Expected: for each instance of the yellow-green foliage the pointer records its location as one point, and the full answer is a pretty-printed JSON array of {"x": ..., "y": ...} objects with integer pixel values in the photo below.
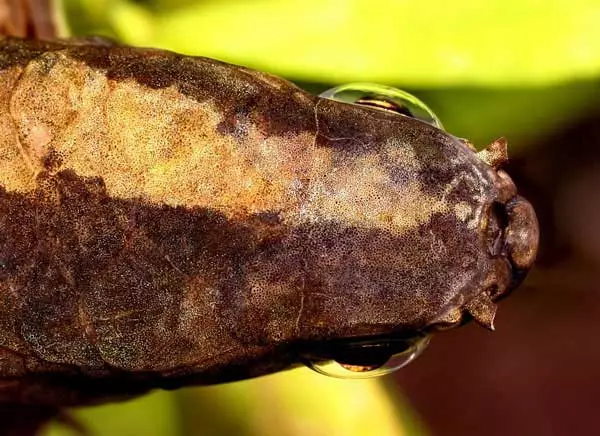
[
  {"x": 434, "y": 42},
  {"x": 293, "y": 403}
]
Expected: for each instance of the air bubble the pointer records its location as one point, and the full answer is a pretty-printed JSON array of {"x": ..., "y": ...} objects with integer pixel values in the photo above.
[
  {"x": 384, "y": 98},
  {"x": 367, "y": 359}
]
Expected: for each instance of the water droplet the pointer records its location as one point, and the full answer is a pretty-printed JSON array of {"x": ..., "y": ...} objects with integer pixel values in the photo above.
[
  {"x": 366, "y": 359},
  {"x": 385, "y": 98}
]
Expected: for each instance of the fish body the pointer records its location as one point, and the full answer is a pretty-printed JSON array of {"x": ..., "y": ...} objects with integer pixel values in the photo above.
[{"x": 168, "y": 220}]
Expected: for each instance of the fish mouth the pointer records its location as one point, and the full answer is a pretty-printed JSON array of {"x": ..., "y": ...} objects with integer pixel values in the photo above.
[
  {"x": 521, "y": 237},
  {"x": 513, "y": 231},
  {"x": 512, "y": 234},
  {"x": 512, "y": 226}
]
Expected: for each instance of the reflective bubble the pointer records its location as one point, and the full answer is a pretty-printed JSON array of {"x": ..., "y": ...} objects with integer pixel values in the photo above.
[
  {"x": 367, "y": 359},
  {"x": 385, "y": 98}
]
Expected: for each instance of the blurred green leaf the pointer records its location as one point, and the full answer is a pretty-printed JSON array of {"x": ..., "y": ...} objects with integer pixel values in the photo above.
[
  {"x": 296, "y": 403},
  {"x": 291, "y": 403},
  {"x": 155, "y": 414},
  {"x": 519, "y": 114},
  {"x": 393, "y": 41}
]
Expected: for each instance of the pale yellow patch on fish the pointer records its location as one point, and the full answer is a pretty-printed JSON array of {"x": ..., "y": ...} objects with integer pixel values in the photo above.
[
  {"x": 15, "y": 170},
  {"x": 154, "y": 144},
  {"x": 463, "y": 210},
  {"x": 359, "y": 192}
]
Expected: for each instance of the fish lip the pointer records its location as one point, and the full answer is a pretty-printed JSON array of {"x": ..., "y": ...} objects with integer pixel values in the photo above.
[
  {"x": 521, "y": 238},
  {"x": 512, "y": 234}
]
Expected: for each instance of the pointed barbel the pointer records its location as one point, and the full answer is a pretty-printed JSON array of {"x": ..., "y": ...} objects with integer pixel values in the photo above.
[
  {"x": 483, "y": 310},
  {"x": 495, "y": 154}
]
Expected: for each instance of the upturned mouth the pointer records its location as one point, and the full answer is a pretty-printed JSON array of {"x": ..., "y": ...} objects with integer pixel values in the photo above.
[
  {"x": 512, "y": 234},
  {"x": 513, "y": 229}
]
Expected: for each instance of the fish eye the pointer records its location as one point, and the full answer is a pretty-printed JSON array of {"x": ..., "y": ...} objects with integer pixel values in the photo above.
[
  {"x": 384, "y": 98},
  {"x": 366, "y": 359}
]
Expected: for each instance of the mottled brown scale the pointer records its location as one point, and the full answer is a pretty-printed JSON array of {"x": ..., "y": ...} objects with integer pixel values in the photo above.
[{"x": 169, "y": 220}]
